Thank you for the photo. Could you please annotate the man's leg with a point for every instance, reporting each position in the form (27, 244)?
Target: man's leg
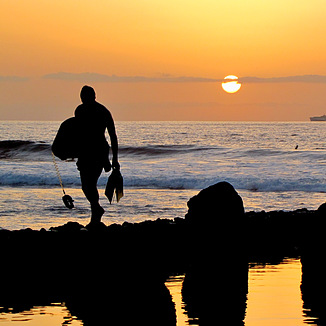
(89, 177)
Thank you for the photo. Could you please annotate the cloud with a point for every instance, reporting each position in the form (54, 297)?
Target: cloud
(95, 77)
(288, 79)
(89, 77)
(13, 79)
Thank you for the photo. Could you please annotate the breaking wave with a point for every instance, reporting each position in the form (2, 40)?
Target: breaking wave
(19, 149)
(46, 177)
(30, 150)
(27, 163)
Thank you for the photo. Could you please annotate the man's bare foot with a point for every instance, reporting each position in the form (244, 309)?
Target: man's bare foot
(97, 213)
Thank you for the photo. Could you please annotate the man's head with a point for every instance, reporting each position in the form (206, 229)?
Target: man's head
(87, 94)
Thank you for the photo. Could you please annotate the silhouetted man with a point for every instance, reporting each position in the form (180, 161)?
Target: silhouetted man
(94, 119)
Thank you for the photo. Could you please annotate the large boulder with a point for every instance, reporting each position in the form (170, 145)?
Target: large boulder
(216, 282)
(218, 205)
(216, 227)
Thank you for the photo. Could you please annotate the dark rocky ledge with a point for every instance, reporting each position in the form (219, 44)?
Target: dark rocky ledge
(116, 274)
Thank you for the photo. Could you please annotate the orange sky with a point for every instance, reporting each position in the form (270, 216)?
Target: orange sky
(159, 39)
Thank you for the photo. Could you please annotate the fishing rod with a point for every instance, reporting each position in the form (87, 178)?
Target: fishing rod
(67, 200)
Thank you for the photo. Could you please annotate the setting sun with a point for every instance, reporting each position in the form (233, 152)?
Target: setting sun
(153, 60)
(231, 84)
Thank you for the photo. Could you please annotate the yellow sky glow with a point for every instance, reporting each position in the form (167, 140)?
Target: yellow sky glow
(209, 39)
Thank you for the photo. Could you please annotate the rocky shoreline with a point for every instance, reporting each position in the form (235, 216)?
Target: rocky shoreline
(123, 267)
(279, 233)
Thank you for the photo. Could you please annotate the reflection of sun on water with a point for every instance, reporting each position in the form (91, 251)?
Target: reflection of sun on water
(174, 285)
(274, 296)
(231, 84)
(55, 315)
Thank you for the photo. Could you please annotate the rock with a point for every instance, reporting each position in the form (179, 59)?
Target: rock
(313, 285)
(322, 210)
(68, 227)
(216, 281)
(217, 205)
(216, 220)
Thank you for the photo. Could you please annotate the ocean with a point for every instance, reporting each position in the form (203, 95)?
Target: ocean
(272, 165)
